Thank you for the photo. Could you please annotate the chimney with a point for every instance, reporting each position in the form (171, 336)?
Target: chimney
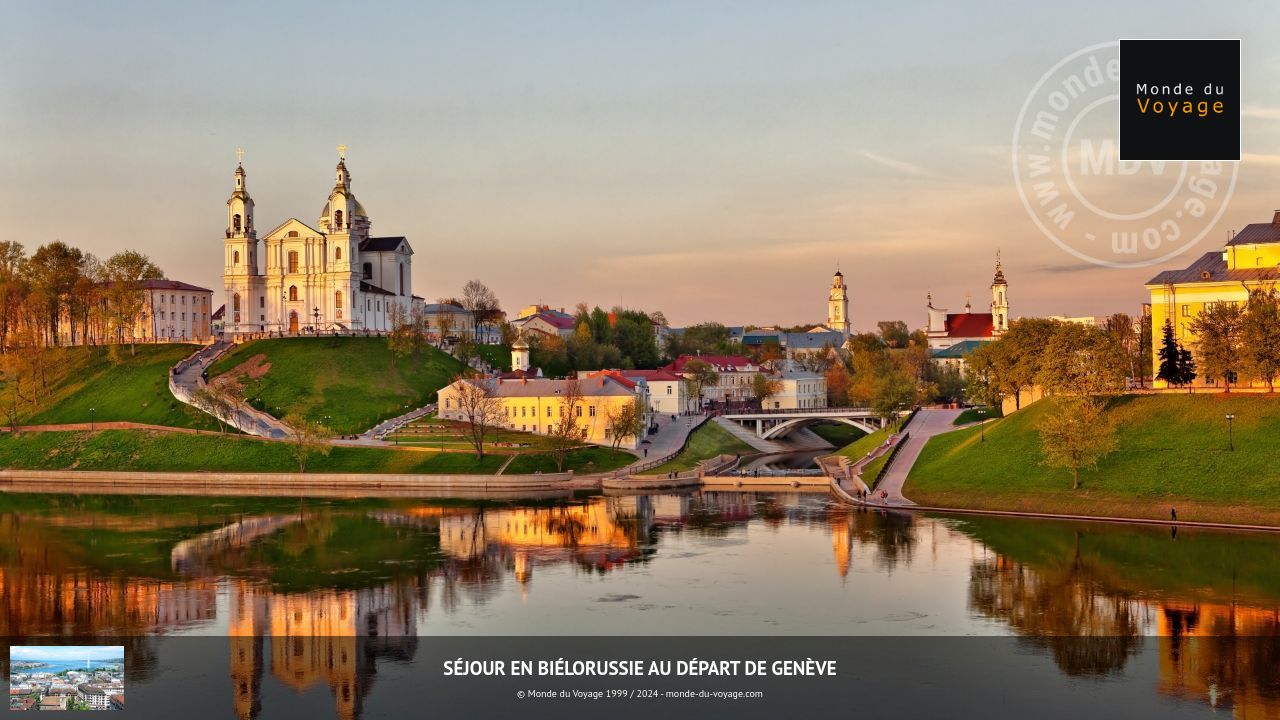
(1275, 219)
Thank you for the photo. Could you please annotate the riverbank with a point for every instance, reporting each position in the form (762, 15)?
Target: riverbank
(1172, 451)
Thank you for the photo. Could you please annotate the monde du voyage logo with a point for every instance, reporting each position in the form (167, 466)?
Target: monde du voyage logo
(1123, 153)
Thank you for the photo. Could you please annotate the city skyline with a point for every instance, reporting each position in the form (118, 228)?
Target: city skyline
(670, 157)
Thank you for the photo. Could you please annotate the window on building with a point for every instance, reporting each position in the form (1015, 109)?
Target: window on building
(337, 219)
(367, 271)
(548, 411)
(235, 222)
(337, 299)
(293, 293)
(293, 261)
(262, 301)
(235, 257)
(591, 411)
(337, 253)
(401, 278)
(579, 410)
(1186, 311)
(235, 302)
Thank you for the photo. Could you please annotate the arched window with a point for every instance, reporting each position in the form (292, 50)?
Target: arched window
(235, 257)
(337, 253)
(293, 261)
(235, 222)
(337, 299)
(368, 271)
(401, 278)
(235, 302)
(293, 293)
(337, 219)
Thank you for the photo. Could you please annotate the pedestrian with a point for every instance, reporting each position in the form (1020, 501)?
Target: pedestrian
(1173, 513)
(646, 452)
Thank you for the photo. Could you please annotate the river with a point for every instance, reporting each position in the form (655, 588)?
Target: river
(702, 563)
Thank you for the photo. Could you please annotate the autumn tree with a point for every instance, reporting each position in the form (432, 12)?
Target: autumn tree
(1219, 347)
(1260, 336)
(123, 276)
(698, 376)
(837, 377)
(1076, 435)
(1081, 360)
(764, 387)
(624, 421)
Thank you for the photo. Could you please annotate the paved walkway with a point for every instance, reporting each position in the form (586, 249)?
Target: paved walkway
(926, 423)
(188, 375)
(669, 438)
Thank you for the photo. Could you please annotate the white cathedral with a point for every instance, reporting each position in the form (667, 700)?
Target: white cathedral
(336, 278)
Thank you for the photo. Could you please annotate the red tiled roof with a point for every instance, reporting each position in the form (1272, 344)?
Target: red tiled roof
(658, 375)
(615, 376)
(969, 325)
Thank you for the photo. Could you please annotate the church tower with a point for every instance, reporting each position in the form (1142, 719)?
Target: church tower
(838, 306)
(240, 248)
(999, 301)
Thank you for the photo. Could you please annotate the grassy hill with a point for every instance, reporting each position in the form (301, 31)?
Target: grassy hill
(1171, 451)
(347, 384)
(132, 388)
(146, 451)
(706, 442)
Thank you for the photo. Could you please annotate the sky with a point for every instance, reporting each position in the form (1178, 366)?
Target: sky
(712, 160)
(56, 653)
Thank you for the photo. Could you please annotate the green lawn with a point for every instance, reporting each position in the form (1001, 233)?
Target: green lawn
(1171, 451)
(159, 451)
(347, 384)
(498, 356)
(707, 441)
(585, 460)
(873, 467)
(89, 386)
(864, 444)
(838, 434)
(972, 415)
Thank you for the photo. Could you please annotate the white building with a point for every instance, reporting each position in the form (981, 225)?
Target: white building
(800, 389)
(333, 277)
(666, 390)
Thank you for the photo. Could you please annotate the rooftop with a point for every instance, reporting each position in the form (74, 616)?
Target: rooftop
(1210, 267)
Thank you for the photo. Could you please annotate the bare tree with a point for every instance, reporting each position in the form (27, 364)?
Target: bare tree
(479, 408)
(481, 302)
(566, 433)
(309, 438)
(214, 403)
(624, 422)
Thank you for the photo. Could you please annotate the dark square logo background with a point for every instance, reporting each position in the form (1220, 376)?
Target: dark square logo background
(1183, 136)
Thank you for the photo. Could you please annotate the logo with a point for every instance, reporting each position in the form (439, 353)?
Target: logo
(1083, 196)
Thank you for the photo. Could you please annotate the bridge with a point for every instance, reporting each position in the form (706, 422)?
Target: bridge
(772, 424)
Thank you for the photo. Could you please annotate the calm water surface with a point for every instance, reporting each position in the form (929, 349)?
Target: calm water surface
(709, 563)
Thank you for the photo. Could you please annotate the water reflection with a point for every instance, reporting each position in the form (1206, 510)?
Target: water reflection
(317, 594)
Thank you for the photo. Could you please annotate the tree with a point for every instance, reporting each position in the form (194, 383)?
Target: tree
(894, 391)
(481, 302)
(565, 433)
(1170, 356)
(214, 403)
(1219, 349)
(627, 420)
(126, 297)
(1186, 367)
(1120, 327)
(309, 438)
(1260, 336)
(837, 385)
(1081, 360)
(764, 387)
(479, 407)
(894, 333)
(54, 270)
(13, 288)
(698, 375)
(981, 383)
(1075, 435)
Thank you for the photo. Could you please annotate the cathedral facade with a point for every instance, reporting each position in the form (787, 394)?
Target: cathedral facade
(335, 277)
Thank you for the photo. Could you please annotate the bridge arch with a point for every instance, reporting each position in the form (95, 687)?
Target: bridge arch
(785, 428)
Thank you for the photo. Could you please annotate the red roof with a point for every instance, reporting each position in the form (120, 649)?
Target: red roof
(615, 376)
(969, 325)
(719, 362)
(658, 375)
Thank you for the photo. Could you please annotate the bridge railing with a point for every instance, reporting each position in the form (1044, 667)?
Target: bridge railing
(802, 411)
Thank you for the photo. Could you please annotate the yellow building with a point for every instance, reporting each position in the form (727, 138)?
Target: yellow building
(1248, 261)
(537, 404)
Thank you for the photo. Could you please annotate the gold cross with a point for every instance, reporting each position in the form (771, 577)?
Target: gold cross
(342, 152)
(239, 154)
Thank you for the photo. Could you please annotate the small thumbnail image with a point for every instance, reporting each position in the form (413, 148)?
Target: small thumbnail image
(66, 677)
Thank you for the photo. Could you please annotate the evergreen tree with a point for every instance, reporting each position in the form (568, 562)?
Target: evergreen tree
(1170, 357)
(1186, 371)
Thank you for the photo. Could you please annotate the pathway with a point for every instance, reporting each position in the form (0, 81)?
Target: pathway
(926, 423)
(669, 438)
(187, 376)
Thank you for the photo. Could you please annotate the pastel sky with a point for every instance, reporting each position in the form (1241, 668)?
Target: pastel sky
(711, 159)
(54, 653)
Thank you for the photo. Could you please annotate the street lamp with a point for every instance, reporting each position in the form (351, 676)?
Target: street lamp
(982, 426)
(91, 419)
(315, 326)
(1231, 445)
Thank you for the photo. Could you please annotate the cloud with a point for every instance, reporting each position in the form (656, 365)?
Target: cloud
(1261, 112)
(900, 165)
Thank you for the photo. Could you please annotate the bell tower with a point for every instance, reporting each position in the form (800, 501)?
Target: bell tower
(999, 301)
(241, 242)
(838, 305)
